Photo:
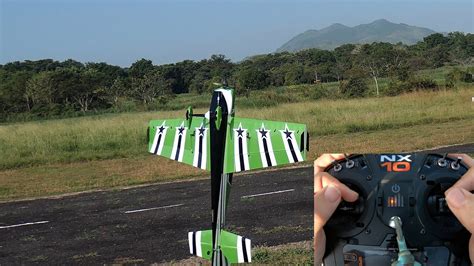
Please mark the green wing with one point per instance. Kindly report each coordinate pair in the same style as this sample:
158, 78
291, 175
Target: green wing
180, 141
253, 144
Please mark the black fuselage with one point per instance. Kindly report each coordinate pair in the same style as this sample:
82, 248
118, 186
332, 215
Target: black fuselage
217, 148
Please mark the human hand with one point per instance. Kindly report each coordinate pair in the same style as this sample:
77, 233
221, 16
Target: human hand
328, 193
461, 200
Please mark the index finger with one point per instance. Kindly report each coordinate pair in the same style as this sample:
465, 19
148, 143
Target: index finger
466, 159
466, 181
325, 160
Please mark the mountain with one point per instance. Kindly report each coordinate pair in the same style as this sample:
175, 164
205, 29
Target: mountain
380, 30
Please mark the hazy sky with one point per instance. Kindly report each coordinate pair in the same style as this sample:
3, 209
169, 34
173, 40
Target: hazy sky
121, 32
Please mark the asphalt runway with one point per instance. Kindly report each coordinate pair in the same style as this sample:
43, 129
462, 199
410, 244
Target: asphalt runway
149, 224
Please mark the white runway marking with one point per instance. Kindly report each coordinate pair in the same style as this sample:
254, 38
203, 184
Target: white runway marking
24, 224
268, 193
155, 208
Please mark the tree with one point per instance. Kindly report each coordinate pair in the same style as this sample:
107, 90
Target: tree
117, 90
140, 68
151, 86
293, 74
12, 91
276, 76
107, 72
251, 78
438, 55
188, 70
379, 59
315, 56
40, 90
434, 40
197, 84
68, 82
220, 66
72, 64
89, 90
173, 76
344, 56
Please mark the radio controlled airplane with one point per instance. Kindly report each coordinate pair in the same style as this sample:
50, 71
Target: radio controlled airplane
224, 144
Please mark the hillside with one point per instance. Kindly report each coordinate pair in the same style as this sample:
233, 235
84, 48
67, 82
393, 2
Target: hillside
337, 34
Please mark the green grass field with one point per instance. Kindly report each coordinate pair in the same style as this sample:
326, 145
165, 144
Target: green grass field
124, 135
107, 151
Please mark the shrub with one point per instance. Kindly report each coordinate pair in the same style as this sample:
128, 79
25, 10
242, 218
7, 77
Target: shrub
125, 105
423, 84
321, 92
354, 87
458, 75
398, 87
265, 99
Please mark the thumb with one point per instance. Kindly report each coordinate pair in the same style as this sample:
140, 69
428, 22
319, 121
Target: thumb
461, 203
471, 248
325, 203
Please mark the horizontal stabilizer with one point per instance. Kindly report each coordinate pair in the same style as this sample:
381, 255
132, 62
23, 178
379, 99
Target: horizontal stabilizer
235, 248
200, 244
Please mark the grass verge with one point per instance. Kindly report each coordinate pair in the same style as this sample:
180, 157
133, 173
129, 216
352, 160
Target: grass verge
298, 253
60, 178
124, 135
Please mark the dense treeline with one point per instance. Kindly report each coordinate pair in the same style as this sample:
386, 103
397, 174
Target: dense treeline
47, 87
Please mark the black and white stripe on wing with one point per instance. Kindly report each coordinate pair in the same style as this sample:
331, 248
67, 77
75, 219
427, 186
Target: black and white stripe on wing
194, 240
243, 250
266, 147
179, 141
200, 147
291, 146
241, 159
159, 139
